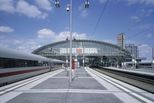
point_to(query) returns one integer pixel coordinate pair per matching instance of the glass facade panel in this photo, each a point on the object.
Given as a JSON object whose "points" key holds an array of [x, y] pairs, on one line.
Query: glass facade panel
{"points": [[89, 49]]}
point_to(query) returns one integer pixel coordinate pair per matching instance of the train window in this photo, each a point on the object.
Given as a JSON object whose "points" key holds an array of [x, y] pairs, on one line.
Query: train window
{"points": [[11, 63]]}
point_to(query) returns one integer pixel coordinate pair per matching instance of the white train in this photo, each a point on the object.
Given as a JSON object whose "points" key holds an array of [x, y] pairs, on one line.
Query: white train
{"points": [[15, 65]]}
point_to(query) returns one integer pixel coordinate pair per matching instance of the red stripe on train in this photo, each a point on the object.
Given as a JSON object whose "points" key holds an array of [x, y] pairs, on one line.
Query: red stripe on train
{"points": [[19, 72]]}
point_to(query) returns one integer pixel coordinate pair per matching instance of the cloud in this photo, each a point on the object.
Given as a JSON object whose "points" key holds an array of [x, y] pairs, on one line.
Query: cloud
{"points": [[149, 35], [135, 18], [44, 4], [29, 10], [80, 35], [45, 33], [49, 34], [17, 41], [66, 34], [28, 46], [24, 45], [62, 36], [147, 12], [24, 8], [145, 2], [6, 29], [145, 51], [143, 13], [7, 6], [44, 37], [83, 11]]}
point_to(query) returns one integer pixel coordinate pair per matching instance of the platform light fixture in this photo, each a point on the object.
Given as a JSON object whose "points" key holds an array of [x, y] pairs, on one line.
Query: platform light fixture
{"points": [[57, 3], [86, 3]]}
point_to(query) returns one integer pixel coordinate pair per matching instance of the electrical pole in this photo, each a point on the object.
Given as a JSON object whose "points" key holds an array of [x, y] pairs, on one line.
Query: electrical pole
{"points": [[71, 22]]}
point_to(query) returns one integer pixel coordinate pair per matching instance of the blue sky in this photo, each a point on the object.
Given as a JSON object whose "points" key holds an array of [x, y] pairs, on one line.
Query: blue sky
{"points": [[28, 24]]}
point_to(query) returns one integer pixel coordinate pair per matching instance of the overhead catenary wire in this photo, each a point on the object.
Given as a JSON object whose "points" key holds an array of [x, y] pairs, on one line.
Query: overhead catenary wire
{"points": [[100, 17]]}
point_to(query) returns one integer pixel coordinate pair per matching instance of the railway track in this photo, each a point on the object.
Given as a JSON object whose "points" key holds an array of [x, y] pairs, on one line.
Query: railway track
{"points": [[140, 80]]}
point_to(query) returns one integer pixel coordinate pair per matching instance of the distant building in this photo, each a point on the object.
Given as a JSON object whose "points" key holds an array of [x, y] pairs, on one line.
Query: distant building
{"points": [[133, 49], [121, 40]]}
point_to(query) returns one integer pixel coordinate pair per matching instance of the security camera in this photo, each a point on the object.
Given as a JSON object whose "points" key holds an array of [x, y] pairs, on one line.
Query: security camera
{"points": [[68, 8]]}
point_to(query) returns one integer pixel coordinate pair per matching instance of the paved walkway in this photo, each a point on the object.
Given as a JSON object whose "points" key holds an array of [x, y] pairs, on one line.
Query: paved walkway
{"points": [[55, 88]]}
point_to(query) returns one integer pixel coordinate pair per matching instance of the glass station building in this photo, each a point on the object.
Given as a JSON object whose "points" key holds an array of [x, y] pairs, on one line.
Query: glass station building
{"points": [[89, 52]]}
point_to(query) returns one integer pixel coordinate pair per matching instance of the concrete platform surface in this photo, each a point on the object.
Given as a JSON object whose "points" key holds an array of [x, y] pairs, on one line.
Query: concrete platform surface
{"points": [[64, 98], [86, 87]]}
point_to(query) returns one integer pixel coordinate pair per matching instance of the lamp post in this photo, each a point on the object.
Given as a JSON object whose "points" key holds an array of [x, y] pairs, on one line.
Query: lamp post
{"points": [[71, 25], [71, 22], [69, 8]]}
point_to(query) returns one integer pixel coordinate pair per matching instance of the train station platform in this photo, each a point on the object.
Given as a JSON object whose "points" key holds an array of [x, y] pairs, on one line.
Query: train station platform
{"points": [[88, 86]]}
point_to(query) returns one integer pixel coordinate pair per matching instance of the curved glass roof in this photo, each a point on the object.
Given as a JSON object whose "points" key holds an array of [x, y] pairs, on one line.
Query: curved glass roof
{"points": [[81, 47]]}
